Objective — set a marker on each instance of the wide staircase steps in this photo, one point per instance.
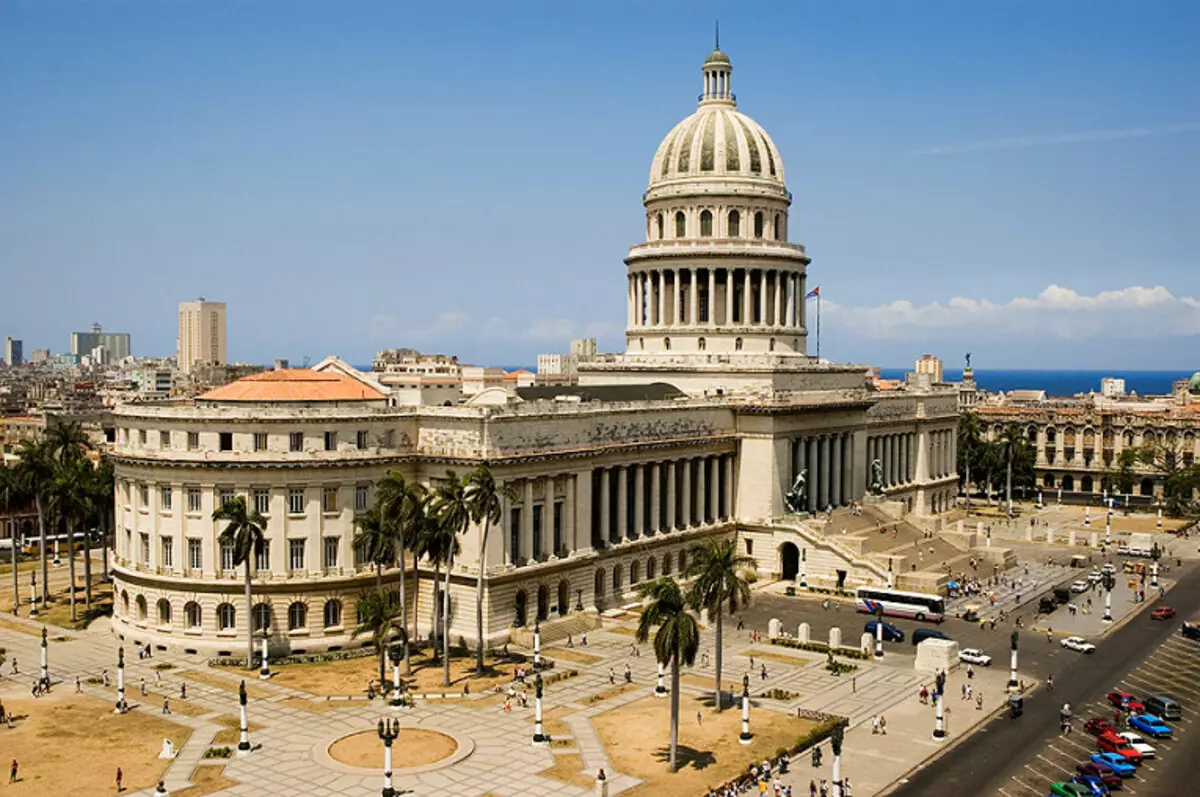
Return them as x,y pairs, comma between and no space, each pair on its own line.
556,629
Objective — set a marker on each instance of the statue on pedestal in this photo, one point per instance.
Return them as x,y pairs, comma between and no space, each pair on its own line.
876,485
796,499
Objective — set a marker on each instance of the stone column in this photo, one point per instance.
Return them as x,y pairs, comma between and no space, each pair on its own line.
639,500
701,491
922,456
747,297
660,296
912,456
712,297
605,505
762,297
814,472
622,502
886,444
527,521
630,299
670,466
789,315
835,482
694,298
729,296
569,541
714,485
727,486
848,491
686,487
823,485
675,289
778,319
655,498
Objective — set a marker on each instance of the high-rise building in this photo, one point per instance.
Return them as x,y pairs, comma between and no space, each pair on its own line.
930,366
116,344
201,333
14,353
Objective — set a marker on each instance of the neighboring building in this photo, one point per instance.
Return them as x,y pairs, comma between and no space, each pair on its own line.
115,344
14,352
415,378
563,369
15,429
39,355
930,367
154,382
703,427
201,334
1112,387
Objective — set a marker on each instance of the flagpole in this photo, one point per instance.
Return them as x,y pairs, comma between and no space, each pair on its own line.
818,326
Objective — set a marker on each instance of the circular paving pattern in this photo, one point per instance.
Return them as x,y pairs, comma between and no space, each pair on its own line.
415,750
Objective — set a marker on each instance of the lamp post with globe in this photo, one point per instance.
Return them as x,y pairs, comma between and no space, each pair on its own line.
388,730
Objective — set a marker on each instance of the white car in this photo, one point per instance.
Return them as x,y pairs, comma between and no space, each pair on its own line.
975,656
1078,643
1095,576
1137,743
1123,550
1109,568
1079,586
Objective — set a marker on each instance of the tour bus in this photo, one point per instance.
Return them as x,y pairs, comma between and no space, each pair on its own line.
896,603
30,544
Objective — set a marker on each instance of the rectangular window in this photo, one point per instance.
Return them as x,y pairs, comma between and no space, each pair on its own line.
164,440
331,551
296,500
296,554
296,441
145,540
260,441
128,544
558,527
195,555
128,493
168,552
142,436
224,496
262,559
749,547
537,531
164,498
331,441
362,498
226,556
144,495
262,501
514,533
193,440
389,439
226,441
329,499
193,499
360,439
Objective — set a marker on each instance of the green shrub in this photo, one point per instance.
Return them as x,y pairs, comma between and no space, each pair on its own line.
218,752
818,647
166,665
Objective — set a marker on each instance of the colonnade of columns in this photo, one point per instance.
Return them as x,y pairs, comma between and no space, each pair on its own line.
943,453
897,453
707,296
540,522
639,499
828,460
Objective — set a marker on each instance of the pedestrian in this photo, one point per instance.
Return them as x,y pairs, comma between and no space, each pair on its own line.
875,725
15,671
166,708
157,677
970,671
812,788
612,675
78,685
845,787
570,641
764,672
104,677
143,687
507,704
979,702
740,624
883,725
628,673
752,662
12,772
964,692
854,684
183,691
583,639
699,718
120,777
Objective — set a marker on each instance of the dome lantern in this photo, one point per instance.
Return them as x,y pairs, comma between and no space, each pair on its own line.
717,70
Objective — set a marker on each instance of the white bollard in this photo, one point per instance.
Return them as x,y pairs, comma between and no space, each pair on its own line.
939,729
264,671
804,633
774,628
243,747
46,663
879,639
745,736
835,638
120,709
1012,670
1049,536
1071,538
537,645
659,689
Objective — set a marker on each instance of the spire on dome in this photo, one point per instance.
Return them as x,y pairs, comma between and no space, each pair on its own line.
717,69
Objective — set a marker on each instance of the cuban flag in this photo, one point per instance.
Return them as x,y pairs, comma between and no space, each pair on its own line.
814,292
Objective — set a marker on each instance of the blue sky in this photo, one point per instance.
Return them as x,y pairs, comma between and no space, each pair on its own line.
1016,179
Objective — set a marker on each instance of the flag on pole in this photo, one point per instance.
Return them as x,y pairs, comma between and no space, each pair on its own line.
814,292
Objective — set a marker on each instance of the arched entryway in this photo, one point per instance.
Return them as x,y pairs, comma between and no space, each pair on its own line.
1147,487
543,602
789,561
1048,480
1068,483
599,585
519,612
564,597
1085,484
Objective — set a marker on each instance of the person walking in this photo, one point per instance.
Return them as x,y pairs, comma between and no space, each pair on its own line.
120,777
699,718
883,725
143,687
166,707
15,671
612,675
12,771
183,691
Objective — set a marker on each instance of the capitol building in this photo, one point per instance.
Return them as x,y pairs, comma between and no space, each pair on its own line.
714,421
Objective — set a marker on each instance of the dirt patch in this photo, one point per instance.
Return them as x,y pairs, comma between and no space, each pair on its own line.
709,753
779,658
59,611
72,744
553,722
568,768
20,628
622,630
568,654
226,684
315,706
350,676
233,731
416,747
206,780
698,681
608,694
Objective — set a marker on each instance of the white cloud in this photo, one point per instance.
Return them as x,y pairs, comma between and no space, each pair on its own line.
1057,312
1024,142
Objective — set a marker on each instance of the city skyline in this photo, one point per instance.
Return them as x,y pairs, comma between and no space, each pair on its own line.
315,162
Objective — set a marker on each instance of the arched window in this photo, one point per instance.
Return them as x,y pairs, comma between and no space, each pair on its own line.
706,223
191,615
667,344
164,611
702,344
1048,480
635,574
735,224
616,578
666,564
651,564
682,561
226,617
141,607
659,226
333,613
758,224
297,616
737,344
262,616
778,227
124,603
1068,483
771,344
680,224
599,585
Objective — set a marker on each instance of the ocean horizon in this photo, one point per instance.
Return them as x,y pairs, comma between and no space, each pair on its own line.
1059,382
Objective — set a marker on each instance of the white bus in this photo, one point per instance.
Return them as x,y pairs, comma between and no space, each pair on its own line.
895,603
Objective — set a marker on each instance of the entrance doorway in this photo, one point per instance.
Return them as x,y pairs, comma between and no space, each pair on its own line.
789,561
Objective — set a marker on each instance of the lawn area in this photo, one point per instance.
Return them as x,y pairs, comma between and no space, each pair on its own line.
568,768
350,676
206,780
415,747
71,744
569,654
709,753
58,610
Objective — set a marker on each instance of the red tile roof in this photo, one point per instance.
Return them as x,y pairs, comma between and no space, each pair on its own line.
294,384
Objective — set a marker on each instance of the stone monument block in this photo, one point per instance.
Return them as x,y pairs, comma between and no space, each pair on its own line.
1071,538
867,643
835,637
1095,539
804,633
774,628
1049,535
168,749
936,654
960,526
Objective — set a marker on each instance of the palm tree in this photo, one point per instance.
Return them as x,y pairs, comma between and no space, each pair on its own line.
399,504
970,436
418,528
453,514
374,539
12,499
379,615
1015,447
246,532
718,577
676,640
100,501
67,445
34,470
485,500
68,504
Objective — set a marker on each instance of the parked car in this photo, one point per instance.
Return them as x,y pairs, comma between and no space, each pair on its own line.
975,656
1162,613
1094,785
1111,743
1191,631
1150,725
1097,725
1108,567
1095,576
1062,594
1123,550
1079,644
890,632
1114,763
921,634
1111,779
1046,605
1138,743
1066,788
1125,701
1079,586
1164,707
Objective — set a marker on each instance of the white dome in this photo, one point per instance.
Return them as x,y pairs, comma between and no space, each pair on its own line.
717,141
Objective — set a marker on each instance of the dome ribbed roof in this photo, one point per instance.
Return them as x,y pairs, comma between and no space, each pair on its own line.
717,140
717,57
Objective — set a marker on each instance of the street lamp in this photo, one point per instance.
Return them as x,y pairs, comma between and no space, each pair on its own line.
243,747
396,653
879,627
745,736
1108,581
121,705
45,662
803,568
835,743
659,689
264,670
389,729
1012,669
539,736
537,643
33,609
939,728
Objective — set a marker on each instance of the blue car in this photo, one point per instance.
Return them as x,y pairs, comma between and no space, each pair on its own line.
890,632
1114,762
1094,784
1150,725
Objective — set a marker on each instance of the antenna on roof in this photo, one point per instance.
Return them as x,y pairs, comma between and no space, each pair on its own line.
718,34
307,359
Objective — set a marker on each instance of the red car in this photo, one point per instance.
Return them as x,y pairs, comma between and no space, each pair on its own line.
1111,743
1126,702
1098,725
1162,613
1110,779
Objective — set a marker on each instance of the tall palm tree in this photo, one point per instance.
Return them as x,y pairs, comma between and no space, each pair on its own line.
970,435
676,641
246,532
100,502
399,504
417,531
374,539
68,504
67,445
35,470
13,498
485,500
379,615
67,441
718,578
453,514
1014,445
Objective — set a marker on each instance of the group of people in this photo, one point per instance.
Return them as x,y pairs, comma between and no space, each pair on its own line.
761,778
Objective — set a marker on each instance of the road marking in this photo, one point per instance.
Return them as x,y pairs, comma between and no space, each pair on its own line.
1056,766
1002,791
1038,792
1039,774
1073,743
